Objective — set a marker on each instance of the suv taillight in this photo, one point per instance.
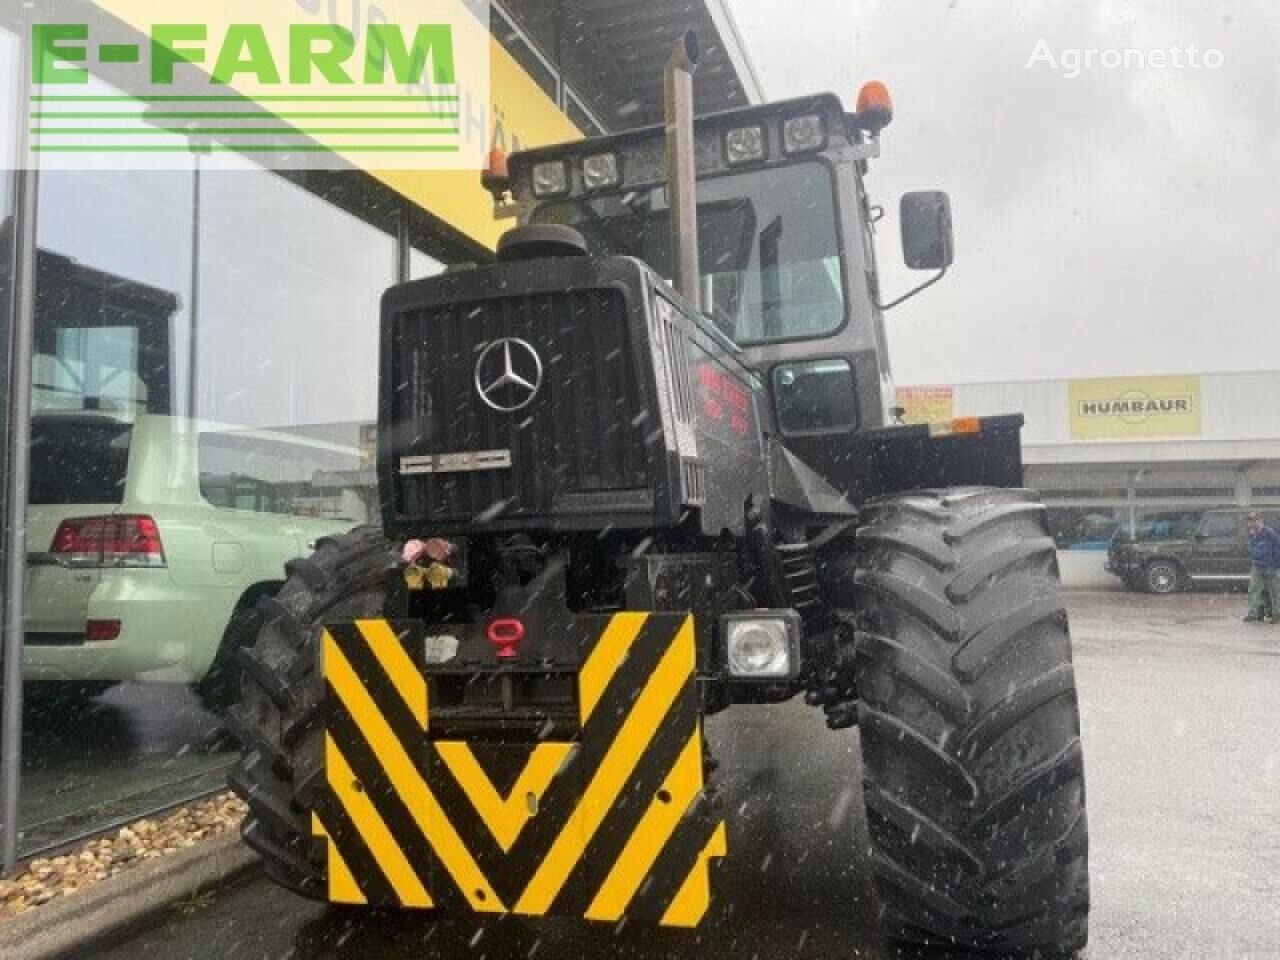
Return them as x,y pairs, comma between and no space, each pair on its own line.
112,541
101,631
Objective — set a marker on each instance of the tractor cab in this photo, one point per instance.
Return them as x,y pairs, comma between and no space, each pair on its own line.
785,246
779,253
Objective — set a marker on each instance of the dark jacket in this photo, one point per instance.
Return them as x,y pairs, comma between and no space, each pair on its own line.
1264,549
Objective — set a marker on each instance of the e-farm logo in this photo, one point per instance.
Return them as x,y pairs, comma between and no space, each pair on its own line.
143,78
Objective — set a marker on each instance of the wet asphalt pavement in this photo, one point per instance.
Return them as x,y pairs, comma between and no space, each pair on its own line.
1181,715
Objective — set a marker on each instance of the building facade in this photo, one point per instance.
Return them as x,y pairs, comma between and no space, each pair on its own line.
1123,452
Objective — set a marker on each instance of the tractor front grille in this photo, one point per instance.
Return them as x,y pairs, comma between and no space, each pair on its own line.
583,433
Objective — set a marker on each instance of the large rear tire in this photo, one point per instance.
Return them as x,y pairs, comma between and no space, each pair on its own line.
973,770
278,718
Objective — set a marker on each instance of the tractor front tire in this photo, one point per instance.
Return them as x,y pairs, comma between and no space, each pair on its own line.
278,720
973,769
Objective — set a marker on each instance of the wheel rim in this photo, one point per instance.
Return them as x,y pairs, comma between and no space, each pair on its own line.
1162,578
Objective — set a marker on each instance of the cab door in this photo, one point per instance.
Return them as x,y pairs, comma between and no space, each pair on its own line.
1221,548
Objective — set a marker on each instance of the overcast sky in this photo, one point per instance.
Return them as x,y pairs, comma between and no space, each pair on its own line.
1123,222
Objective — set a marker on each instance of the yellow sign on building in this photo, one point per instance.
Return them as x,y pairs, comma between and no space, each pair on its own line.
1135,408
926,404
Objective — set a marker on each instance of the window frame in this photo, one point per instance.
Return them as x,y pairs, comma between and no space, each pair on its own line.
817,431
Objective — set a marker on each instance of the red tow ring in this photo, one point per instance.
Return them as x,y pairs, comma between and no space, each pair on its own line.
505,633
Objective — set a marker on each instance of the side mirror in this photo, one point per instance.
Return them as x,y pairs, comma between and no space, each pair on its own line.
926,230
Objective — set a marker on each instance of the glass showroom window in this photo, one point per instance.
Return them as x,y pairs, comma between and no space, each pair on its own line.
205,375
114,723
113,290
290,288
285,474
287,355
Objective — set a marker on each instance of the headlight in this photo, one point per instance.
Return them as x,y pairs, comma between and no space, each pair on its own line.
804,134
601,171
762,645
551,179
744,145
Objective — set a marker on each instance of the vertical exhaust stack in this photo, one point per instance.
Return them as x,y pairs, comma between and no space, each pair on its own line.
682,174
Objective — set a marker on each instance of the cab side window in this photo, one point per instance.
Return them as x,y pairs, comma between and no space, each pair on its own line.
1221,526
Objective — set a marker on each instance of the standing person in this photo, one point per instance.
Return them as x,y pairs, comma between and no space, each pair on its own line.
1264,552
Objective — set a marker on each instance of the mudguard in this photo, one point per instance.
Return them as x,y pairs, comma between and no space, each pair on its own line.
609,821
982,452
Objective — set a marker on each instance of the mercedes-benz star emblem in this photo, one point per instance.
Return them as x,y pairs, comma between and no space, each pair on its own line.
508,375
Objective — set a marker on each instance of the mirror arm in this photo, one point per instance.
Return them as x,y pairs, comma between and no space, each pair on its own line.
911,293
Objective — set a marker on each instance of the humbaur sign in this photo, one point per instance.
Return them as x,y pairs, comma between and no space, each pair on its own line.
129,82
1135,408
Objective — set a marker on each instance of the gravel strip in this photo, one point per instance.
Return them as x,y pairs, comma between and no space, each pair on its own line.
47,878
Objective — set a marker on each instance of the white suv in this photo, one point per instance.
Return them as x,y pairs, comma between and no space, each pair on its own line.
151,539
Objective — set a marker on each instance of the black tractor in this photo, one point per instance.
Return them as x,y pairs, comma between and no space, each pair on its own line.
642,469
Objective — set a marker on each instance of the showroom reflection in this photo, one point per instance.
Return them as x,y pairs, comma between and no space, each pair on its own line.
203,410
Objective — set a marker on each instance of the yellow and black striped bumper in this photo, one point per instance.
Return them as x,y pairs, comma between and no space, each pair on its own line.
613,823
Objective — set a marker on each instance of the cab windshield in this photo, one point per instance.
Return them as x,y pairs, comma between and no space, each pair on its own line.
768,244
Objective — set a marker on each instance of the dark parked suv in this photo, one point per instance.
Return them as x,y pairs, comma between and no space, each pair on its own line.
1215,551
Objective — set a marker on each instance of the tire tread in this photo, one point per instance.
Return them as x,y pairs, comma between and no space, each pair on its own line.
278,719
976,815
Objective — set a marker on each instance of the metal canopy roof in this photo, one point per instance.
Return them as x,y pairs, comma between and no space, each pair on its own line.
613,52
